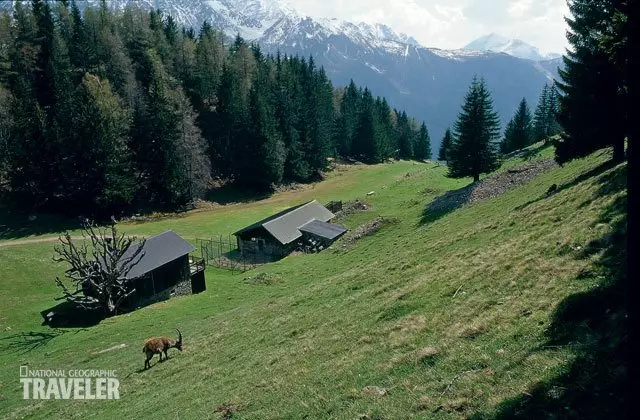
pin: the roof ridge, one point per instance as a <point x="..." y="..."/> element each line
<point x="288" y="213"/>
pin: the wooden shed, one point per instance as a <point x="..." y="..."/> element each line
<point x="165" y="269"/>
<point x="281" y="233"/>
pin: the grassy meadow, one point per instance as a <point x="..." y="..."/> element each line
<point x="506" y="308"/>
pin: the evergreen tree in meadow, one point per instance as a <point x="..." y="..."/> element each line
<point x="474" y="150"/>
<point x="445" y="146"/>
<point x="422" y="149"/>
<point x="405" y="137"/>
<point x="545" y="122"/>
<point x="519" y="131"/>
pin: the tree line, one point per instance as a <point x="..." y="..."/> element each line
<point x="104" y="111"/>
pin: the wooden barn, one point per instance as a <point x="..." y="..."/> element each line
<point x="291" y="229"/>
<point x="165" y="269"/>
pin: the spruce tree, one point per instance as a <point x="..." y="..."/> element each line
<point x="474" y="150"/>
<point x="101" y="180"/>
<point x="445" y="146"/>
<point x="405" y="137"/>
<point x="385" y="130"/>
<point x="348" y="122"/>
<point x="364" y="145"/>
<point x="592" y="101"/>
<point x="423" y="144"/>
<point x="545" y="123"/>
<point x="519" y="131"/>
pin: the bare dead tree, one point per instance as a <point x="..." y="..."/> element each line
<point x="98" y="272"/>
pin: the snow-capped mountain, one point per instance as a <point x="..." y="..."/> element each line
<point x="428" y="83"/>
<point x="264" y="21"/>
<point x="514" y="47"/>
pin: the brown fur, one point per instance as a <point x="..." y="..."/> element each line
<point x="159" y="345"/>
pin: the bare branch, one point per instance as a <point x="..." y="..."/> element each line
<point x="98" y="270"/>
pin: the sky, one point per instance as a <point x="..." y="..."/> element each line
<point x="451" y="24"/>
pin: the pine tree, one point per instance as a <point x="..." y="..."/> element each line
<point x="265" y="149"/>
<point x="545" y="122"/>
<point x="445" y="146"/>
<point x="348" y="119"/>
<point x="473" y="150"/>
<point x="385" y="129"/>
<point x="423" y="145"/>
<point x="156" y="137"/>
<point x="519" y="131"/>
<point x="405" y="138"/>
<point x="101" y="180"/>
<point x="592" y="101"/>
<point x="364" y="146"/>
<point x="552" y="116"/>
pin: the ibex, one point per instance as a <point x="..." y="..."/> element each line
<point x="158" y="345"/>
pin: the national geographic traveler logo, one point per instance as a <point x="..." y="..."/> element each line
<point x="71" y="384"/>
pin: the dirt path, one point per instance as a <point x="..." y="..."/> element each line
<point x="34" y="241"/>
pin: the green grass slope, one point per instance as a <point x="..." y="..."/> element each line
<point x="511" y="307"/>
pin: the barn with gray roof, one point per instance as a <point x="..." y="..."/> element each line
<point x="282" y="233"/>
<point x="164" y="269"/>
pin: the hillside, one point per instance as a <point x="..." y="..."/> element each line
<point x="498" y="309"/>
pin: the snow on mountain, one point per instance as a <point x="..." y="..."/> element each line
<point x="272" y="22"/>
<point x="514" y="47"/>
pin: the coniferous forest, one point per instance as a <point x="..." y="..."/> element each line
<point x="105" y="112"/>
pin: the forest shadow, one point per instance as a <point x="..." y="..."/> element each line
<point x="231" y="193"/>
<point x="594" y="324"/>
<point x="15" y="224"/>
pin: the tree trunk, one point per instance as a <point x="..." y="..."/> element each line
<point x="476" y="177"/>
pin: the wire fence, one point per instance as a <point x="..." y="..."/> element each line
<point x="222" y="252"/>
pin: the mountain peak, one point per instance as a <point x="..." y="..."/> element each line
<point x="514" y="47"/>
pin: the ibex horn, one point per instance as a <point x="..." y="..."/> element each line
<point x="179" y="335"/>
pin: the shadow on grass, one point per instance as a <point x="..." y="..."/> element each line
<point x="446" y="203"/>
<point x="68" y="315"/>
<point x="530" y="152"/>
<point x="598" y="170"/>
<point x="15" y="224"/>
<point x="24" y="342"/>
<point x="594" y="324"/>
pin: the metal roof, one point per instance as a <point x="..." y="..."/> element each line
<point x="284" y="226"/>
<point x="323" y="229"/>
<point x="158" y="251"/>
